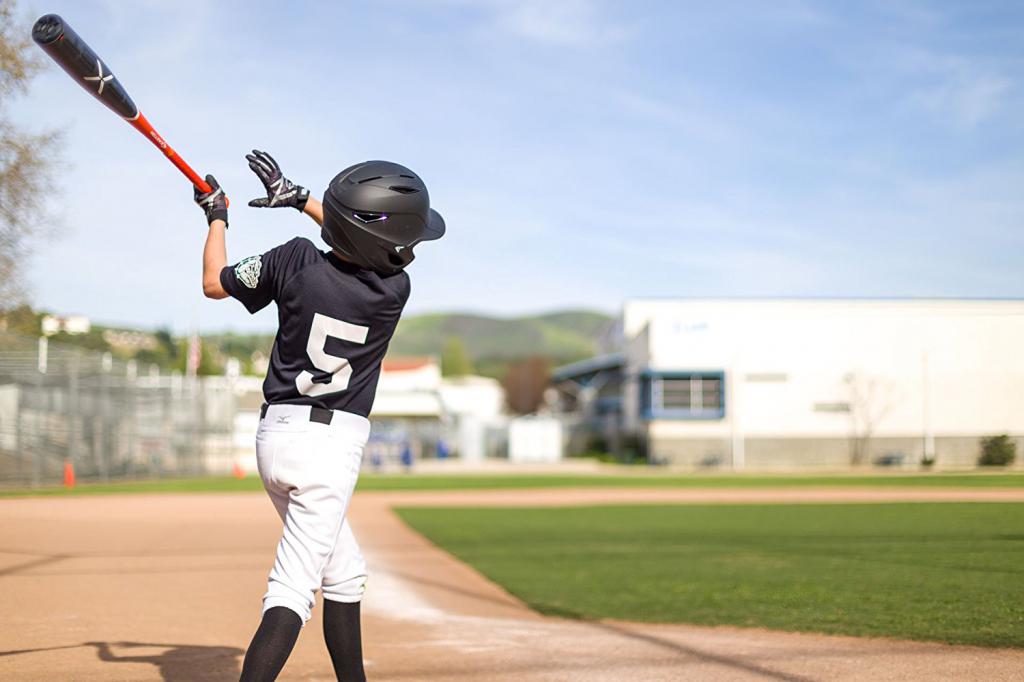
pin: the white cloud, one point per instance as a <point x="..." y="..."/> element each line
<point x="965" y="99"/>
<point x="959" y="91"/>
<point x="687" y="117"/>
<point x="566" y="22"/>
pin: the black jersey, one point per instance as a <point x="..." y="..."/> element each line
<point x="335" y="321"/>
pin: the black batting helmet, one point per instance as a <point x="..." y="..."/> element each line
<point x="375" y="212"/>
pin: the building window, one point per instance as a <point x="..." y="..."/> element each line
<point x="832" y="407"/>
<point x="767" y="377"/>
<point x="684" y="395"/>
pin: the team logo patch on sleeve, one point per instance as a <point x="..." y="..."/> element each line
<point x="248" y="271"/>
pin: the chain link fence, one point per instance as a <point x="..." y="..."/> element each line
<point x="107" y="419"/>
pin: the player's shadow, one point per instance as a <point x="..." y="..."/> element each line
<point x="177" y="662"/>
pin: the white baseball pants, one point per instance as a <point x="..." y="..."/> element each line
<point x="309" y="469"/>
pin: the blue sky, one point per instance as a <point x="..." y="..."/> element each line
<point x="581" y="151"/>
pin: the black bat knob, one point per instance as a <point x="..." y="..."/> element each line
<point x="48" y="28"/>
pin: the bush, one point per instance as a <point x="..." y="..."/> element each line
<point x="630" y="450"/>
<point x="997" y="451"/>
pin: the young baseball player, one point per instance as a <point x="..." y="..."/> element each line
<point x="336" y="312"/>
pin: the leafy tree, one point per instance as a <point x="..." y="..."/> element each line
<point x="165" y="341"/>
<point x="210" y="362"/>
<point x="25" y="158"/>
<point x="21" y="319"/>
<point x="455" y="360"/>
<point x="525" y="383"/>
<point x="164" y="355"/>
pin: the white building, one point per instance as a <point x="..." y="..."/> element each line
<point x="535" y="439"/>
<point x="433" y="416"/>
<point x="416" y="414"/>
<point x="69" y="324"/>
<point x="409" y="389"/>
<point x="765" y="384"/>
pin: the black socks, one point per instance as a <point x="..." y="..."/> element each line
<point x="344" y="641"/>
<point x="276" y="635"/>
<point x="271" y="645"/>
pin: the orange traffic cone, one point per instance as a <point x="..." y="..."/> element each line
<point x="69" y="474"/>
<point x="237" y="471"/>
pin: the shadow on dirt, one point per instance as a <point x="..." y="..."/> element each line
<point x="32" y="563"/>
<point x="176" y="662"/>
<point x="16" y="652"/>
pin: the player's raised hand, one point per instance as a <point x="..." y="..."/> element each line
<point x="213" y="203"/>
<point x="280" y="190"/>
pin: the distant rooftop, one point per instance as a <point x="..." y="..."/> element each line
<point x="407" y="363"/>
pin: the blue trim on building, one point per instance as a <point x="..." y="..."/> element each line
<point x="649" y="411"/>
<point x="609" y="405"/>
<point x="684" y="415"/>
<point x="588" y="366"/>
<point x="684" y="373"/>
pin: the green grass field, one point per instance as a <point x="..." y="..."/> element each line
<point x="630" y="478"/>
<point x="946" y="572"/>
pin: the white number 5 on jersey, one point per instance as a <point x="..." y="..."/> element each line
<point x="339" y="369"/>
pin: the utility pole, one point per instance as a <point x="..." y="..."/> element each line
<point x="732" y="384"/>
<point x="926" y="416"/>
<point x="74" y="408"/>
<point x="44" y="354"/>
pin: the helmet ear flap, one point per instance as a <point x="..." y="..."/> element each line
<point x="339" y="241"/>
<point x="400" y="259"/>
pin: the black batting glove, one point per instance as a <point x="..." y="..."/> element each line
<point x="280" y="190"/>
<point x="213" y="203"/>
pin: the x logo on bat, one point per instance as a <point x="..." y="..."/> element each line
<point x="100" y="77"/>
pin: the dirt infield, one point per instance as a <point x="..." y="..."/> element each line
<point x="167" y="587"/>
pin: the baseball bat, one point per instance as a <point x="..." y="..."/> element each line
<point x="75" y="56"/>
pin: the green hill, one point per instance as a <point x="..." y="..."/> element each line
<point x="563" y="336"/>
<point x="491" y="342"/>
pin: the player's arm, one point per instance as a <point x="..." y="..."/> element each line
<point x="215" y="255"/>
<point x="280" y="190"/>
<point x="315" y="210"/>
<point x="215" y="258"/>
